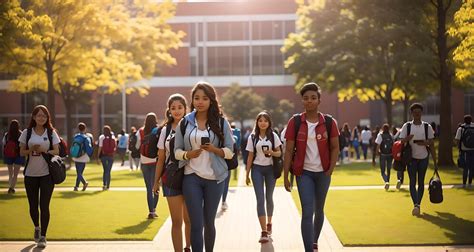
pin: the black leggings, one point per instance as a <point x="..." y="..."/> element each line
<point x="39" y="190"/>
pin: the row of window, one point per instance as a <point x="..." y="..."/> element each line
<point x="254" y="30"/>
<point x="238" y="60"/>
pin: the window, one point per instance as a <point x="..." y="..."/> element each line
<point x="224" y="31"/>
<point x="268" y="30"/>
<point x="227" y="60"/>
<point x="431" y="106"/>
<point x="267" y="60"/>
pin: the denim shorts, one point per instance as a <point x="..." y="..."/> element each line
<point x="20" y="160"/>
<point x="170" y="192"/>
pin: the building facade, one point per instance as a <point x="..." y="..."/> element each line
<point x="226" y="42"/>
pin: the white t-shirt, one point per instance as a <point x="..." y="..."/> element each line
<point x="84" y="158"/>
<point x="260" y="158"/>
<point x="37" y="166"/>
<point x="459" y="134"/>
<point x="418" y="132"/>
<point x="365" y="136"/>
<point x="312" y="160"/>
<point x="164" y="144"/>
<point x="202" y="164"/>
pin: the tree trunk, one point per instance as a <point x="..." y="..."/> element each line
<point x="51" y="92"/>
<point x="389" y="106"/>
<point x="69" y="101"/>
<point x="445" y="152"/>
<point x="406" y="105"/>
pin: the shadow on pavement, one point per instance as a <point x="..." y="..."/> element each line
<point x="135" y="229"/>
<point x="72" y="194"/>
<point x="33" y="248"/>
<point x="459" y="230"/>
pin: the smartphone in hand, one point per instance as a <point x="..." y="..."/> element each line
<point x="418" y="141"/>
<point x="205" y="140"/>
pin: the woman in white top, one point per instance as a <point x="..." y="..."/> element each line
<point x="178" y="211"/>
<point x="40" y="137"/>
<point x="262" y="145"/>
<point x="206" y="142"/>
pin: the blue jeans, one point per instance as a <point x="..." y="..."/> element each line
<point x="417" y="169"/>
<point x="107" y="163"/>
<point x="226" y="187"/>
<point x="357" y="150"/>
<point x="202" y="199"/>
<point x="469" y="169"/>
<point x="148" y="171"/>
<point x="80" y="170"/>
<point x="365" y="148"/>
<point x="312" y="189"/>
<point x="385" y="162"/>
<point x="260" y="175"/>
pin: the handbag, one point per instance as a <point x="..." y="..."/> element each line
<point x="277" y="167"/>
<point x="57" y="167"/>
<point x="436" y="188"/>
<point x="173" y="175"/>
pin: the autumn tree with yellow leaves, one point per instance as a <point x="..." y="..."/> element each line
<point x="74" y="46"/>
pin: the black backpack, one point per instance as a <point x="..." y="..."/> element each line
<point x="149" y="143"/>
<point x="467" y="136"/>
<point x="386" y="144"/>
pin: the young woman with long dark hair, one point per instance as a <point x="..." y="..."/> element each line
<point x="34" y="141"/>
<point x="206" y="142"/>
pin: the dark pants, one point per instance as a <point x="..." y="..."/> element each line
<point x="226" y="187"/>
<point x="202" y="198"/>
<point x="469" y="169"/>
<point x="312" y="189"/>
<point x="39" y="191"/>
<point x="80" y="170"/>
<point x="416" y="172"/>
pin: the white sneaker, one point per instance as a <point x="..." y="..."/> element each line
<point x="37" y="234"/>
<point x="264" y="237"/>
<point x="224" y="206"/>
<point x="387" y="185"/>
<point x="42" y="242"/>
<point x="399" y="184"/>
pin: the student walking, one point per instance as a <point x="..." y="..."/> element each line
<point x="365" y="136"/>
<point x="384" y="143"/>
<point x="122" y="145"/>
<point x="40" y="137"/>
<point x="134" y="153"/>
<point x="316" y="138"/>
<point x="107" y="146"/>
<point x="356" y="140"/>
<point x="206" y="142"/>
<point x="236" y="134"/>
<point x="464" y="139"/>
<point x="262" y="145"/>
<point x="11" y="154"/>
<point x="178" y="211"/>
<point x="419" y="135"/>
<point x="147" y="143"/>
<point x="81" y="151"/>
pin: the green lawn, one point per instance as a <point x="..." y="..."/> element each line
<point x="93" y="174"/>
<point x="376" y="217"/>
<point x="85" y="216"/>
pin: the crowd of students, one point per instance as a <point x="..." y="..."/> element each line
<point x="200" y="142"/>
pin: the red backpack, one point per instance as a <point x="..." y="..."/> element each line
<point x="108" y="146"/>
<point x="397" y="149"/>
<point x="11" y="148"/>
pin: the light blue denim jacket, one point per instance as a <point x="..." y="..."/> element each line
<point x="183" y="143"/>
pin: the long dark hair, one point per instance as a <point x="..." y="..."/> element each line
<point x="174" y="97"/>
<point x="107" y="131"/>
<point x="256" y="129"/>
<point x="150" y="123"/>
<point x="214" y="112"/>
<point x="35" y="111"/>
<point x="14" y="130"/>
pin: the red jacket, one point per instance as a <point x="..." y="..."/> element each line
<point x="300" y="143"/>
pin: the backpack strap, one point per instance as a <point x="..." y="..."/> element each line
<point x="426" y="130"/>
<point x="254" y="143"/>
<point x="328" y="123"/>
<point x="297" y="121"/>
<point x="408" y="129"/>
<point x="50" y="138"/>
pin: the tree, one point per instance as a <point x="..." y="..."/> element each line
<point x="366" y="49"/>
<point x="278" y="110"/>
<point x="241" y="104"/>
<point x="440" y="13"/>
<point x="126" y="42"/>
<point x="463" y="29"/>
